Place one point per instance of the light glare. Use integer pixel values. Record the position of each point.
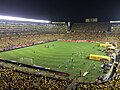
(22, 19)
(114, 21)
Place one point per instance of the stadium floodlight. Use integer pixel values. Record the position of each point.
(22, 19)
(114, 21)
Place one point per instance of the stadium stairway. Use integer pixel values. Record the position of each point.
(73, 85)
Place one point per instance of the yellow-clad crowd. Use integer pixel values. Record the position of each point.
(15, 41)
(11, 41)
(113, 84)
(10, 79)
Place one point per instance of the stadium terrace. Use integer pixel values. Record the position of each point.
(46, 55)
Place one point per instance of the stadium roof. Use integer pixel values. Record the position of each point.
(11, 18)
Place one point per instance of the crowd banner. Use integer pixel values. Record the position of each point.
(78, 40)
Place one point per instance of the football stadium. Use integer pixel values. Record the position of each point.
(46, 55)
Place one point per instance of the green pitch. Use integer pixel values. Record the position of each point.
(67, 57)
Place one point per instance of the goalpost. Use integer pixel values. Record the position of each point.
(25, 60)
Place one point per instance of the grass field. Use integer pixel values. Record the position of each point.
(58, 56)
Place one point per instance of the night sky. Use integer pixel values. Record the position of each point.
(62, 10)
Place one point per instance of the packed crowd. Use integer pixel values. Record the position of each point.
(16, 41)
(16, 28)
(10, 79)
(113, 84)
(100, 37)
(10, 42)
(14, 35)
(91, 27)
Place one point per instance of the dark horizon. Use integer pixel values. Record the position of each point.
(62, 10)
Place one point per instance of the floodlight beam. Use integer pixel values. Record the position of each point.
(22, 19)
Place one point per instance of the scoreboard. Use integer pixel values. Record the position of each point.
(91, 20)
(115, 26)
